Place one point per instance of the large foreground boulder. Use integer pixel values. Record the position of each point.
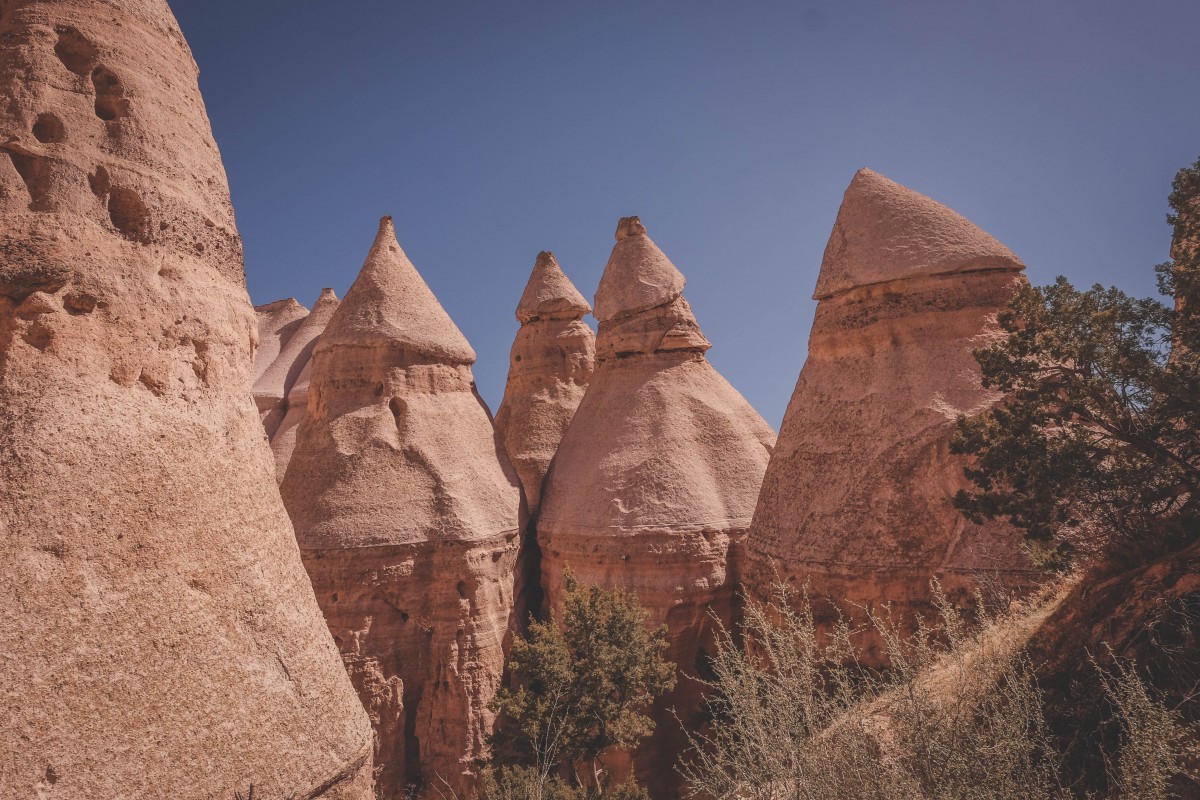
(857, 502)
(653, 486)
(406, 512)
(159, 636)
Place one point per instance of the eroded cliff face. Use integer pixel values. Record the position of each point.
(857, 501)
(281, 387)
(654, 484)
(406, 512)
(159, 632)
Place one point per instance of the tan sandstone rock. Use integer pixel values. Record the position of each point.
(406, 512)
(857, 500)
(281, 391)
(548, 371)
(654, 483)
(159, 635)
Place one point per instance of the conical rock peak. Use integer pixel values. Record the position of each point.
(886, 232)
(390, 300)
(638, 276)
(549, 294)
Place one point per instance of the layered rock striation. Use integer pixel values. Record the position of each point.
(857, 501)
(281, 390)
(406, 508)
(653, 486)
(551, 362)
(159, 633)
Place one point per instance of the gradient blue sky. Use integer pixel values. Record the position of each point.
(491, 131)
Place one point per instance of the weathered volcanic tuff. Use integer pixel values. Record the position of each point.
(857, 500)
(548, 371)
(654, 483)
(159, 634)
(281, 391)
(406, 512)
(277, 322)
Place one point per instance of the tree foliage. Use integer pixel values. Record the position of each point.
(583, 684)
(1099, 428)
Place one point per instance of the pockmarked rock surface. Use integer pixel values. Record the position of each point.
(405, 508)
(654, 484)
(857, 501)
(281, 388)
(159, 634)
(552, 360)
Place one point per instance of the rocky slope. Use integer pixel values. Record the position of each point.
(654, 483)
(406, 512)
(159, 634)
(857, 501)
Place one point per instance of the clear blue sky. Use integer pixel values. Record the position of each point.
(491, 131)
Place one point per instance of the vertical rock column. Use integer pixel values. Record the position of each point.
(857, 501)
(548, 371)
(654, 483)
(406, 512)
(159, 634)
(551, 363)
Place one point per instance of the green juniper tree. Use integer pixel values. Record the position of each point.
(583, 684)
(1099, 434)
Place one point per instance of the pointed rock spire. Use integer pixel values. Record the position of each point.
(858, 499)
(654, 482)
(638, 276)
(551, 362)
(405, 510)
(391, 301)
(886, 232)
(549, 293)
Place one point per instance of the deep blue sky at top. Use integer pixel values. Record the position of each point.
(494, 130)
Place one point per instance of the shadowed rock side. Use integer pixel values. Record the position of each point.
(277, 322)
(654, 483)
(857, 499)
(281, 391)
(406, 512)
(159, 634)
(548, 371)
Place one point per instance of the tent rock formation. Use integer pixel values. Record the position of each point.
(857, 500)
(654, 484)
(552, 360)
(406, 512)
(281, 386)
(159, 633)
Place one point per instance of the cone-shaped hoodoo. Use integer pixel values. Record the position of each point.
(406, 512)
(857, 501)
(159, 634)
(654, 483)
(551, 362)
(281, 392)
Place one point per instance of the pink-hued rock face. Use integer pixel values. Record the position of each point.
(654, 483)
(406, 512)
(548, 371)
(159, 633)
(281, 390)
(857, 500)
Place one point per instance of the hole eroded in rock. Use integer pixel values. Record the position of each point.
(100, 182)
(129, 214)
(334, 597)
(78, 303)
(75, 50)
(110, 95)
(49, 129)
(35, 173)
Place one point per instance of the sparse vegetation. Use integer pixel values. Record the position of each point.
(959, 715)
(583, 683)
